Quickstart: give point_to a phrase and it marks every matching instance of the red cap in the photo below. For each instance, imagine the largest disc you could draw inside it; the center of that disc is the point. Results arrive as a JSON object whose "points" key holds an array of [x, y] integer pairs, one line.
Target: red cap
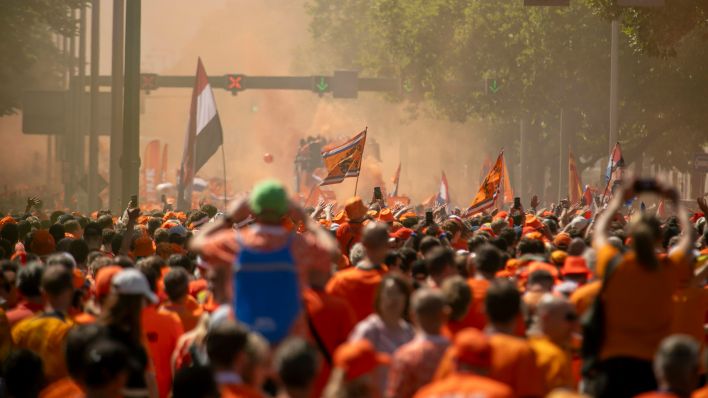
{"points": [[358, 358], [575, 265], [402, 233], [103, 280], [386, 216], [472, 347], [532, 221]]}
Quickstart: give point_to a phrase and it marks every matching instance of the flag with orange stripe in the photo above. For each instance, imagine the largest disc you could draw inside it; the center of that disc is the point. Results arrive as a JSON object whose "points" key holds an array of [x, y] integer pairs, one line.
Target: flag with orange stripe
{"points": [[575, 188], [345, 160], [488, 191]]}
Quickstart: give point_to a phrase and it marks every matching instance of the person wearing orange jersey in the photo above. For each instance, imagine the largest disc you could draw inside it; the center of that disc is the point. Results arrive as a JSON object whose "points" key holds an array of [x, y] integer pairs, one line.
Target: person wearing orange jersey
{"points": [[630, 342], [180, 302], [357, 285], [350, 231], [161, 329], [471, 354]]}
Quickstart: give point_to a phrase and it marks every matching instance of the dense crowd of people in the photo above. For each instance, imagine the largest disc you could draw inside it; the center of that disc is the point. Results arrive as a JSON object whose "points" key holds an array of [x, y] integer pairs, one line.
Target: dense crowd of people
{"points": [[268, 299]]}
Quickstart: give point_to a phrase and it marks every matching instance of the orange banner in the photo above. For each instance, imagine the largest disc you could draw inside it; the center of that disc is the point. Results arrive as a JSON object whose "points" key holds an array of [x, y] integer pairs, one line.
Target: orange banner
{"points": [[151, 167], [488, 191], [344, 160], [575, 187]]}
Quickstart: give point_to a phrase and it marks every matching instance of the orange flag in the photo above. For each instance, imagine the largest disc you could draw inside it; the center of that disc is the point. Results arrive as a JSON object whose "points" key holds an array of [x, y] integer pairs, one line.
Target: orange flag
{"points": [[488, 191], [151, 168], [344, 161], [575, 188], [508, 196], [163, 169]]}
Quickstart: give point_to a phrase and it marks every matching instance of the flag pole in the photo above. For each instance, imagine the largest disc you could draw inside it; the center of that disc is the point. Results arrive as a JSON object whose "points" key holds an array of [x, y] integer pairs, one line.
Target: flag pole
{"points": [[223, 162]]}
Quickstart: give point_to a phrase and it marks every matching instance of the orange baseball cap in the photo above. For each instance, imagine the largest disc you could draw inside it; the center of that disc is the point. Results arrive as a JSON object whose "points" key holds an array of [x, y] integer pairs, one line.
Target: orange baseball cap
{"points": [[562, 240], [355, 208], [359, 358], [144, 247], [386, 215], [472, 347], [103, 280], [532, 221]]}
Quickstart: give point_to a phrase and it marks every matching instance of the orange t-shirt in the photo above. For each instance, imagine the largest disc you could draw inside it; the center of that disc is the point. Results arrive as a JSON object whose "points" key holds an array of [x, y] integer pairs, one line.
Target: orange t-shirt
{"points": [[476, 316], [583, 298], [189, 311], [700, 393], [554, 363], [465, 385], [690, 305], [239, 391], [162, 329], [358, 288], [514, 364], [63, 388], [347, 235], [638, 304], [333, 318]]}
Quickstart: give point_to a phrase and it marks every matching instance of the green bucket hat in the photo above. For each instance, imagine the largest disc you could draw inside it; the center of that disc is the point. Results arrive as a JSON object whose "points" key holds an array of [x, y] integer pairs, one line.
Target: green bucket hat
{"points": [[269, 199]]}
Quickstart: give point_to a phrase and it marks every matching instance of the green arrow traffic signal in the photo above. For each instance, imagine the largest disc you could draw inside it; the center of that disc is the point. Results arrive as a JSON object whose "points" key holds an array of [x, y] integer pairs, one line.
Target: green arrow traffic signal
{"points": [[322, 85], [494, 87]]}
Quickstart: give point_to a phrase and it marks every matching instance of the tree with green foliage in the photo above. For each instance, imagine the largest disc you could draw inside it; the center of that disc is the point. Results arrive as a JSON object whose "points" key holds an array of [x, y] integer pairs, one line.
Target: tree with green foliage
{"points": [[28, 49], [543, 59]]}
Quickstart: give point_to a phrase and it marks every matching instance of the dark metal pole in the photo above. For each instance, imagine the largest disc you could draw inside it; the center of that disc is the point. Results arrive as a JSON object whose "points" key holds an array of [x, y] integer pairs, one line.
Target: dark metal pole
{"points": [[114, 183], [68, 169], [130, 160], [93, 200], [81, 108]]}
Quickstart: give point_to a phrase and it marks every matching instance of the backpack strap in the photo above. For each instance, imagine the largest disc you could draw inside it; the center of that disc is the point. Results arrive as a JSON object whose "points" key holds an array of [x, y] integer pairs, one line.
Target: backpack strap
{"points": [[320, 344], [609, 270]]}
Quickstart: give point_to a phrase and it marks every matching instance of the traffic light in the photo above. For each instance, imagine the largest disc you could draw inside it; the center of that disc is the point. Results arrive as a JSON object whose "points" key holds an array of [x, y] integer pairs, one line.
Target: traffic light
{"points": [[321, 85], [234, 83], [492, 86], [148, 82]]}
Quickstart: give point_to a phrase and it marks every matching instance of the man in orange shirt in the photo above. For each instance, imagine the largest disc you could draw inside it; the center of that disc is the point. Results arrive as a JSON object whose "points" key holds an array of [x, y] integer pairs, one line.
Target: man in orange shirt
{"points": [[349, 232], [29, 279], [181, 303], [357, 285], [226, 342], [489, 261], [472, 355], [331, 318], [555, 322], [513, 360], [676, 366], [161, 329]]}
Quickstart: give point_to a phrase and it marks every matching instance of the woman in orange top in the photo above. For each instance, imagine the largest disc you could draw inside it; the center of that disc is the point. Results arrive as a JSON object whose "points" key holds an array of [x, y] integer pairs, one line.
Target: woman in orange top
{"points": [[638, 294]]}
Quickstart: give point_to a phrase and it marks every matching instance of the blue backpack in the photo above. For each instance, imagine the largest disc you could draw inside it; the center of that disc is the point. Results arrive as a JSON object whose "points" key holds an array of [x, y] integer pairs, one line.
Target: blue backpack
{"points": [[267, 291]]}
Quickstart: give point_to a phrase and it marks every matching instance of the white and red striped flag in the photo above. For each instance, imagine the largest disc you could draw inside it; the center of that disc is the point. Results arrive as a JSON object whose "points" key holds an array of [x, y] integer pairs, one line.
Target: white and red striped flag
{"points": [[443, 197], [203, 138]]}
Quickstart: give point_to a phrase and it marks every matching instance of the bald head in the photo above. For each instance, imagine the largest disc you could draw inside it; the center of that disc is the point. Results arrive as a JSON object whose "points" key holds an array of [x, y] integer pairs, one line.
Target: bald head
{"points": [[375, 241], [429, 308], [375, 235], [556, 318]]}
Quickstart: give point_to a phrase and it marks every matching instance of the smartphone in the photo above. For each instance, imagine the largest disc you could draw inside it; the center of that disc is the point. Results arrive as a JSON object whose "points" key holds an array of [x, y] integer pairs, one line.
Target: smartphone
{"points": [[429, 217], [134, 201], [517, 202], [646, 185], [377, 193]]}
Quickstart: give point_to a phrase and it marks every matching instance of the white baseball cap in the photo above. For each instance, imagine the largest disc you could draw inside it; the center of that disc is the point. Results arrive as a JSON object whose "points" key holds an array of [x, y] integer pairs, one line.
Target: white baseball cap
{"points": [[132, 281]]}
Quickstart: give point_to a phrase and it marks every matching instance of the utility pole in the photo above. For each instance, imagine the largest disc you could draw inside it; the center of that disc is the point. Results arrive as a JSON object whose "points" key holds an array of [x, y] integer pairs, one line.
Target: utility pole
{"points": [[520, 185], [560, 158], [115, 183], [130, 160], [614, 83], [93, 201]]}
